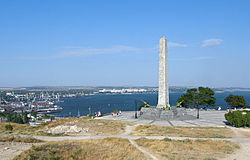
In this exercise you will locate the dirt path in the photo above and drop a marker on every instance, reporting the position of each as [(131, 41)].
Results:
[(147, 153), (128, 130), (49, 138), (242, 136), (8, 150)]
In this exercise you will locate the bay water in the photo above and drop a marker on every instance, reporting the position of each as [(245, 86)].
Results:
[(126, 102)]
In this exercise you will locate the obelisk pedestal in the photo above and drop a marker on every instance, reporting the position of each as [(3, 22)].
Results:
[(163, 94)]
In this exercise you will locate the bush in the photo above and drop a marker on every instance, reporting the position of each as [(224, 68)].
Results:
[(8, 127), (145, 104), (238, 118)]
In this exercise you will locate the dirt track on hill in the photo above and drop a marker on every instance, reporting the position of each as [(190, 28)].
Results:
[(243, 153), (8, 150)]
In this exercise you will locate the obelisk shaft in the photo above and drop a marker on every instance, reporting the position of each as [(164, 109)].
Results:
[(163, 95)]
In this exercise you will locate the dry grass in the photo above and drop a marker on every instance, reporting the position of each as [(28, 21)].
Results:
[(19, 139), (94, 126), (188, 149), (66, 120), (24, 129), (104, 127), (19, 128), (99, 149), (243, 132), (199, 132)]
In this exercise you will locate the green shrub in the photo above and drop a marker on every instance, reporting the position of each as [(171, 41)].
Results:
[(8, 127), (145, 104), (238, 118)]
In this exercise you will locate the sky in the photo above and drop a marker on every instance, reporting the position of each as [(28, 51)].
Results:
[(115, 43)]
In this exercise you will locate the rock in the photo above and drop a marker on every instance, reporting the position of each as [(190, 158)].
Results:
[(66, 129)]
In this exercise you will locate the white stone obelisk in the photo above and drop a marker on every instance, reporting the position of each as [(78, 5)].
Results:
[(163, 95)]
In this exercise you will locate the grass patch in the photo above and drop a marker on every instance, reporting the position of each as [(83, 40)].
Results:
[(19, 139), (198, 132), (107, 149), (188, 149)]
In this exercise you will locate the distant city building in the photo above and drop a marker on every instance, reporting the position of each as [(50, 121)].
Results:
[(122, 90)]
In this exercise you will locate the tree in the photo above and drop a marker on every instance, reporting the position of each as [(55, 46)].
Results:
[(196, 97), (25, 117), (235, 101)]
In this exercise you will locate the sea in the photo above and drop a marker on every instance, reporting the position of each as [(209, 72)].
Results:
[(84, 105)]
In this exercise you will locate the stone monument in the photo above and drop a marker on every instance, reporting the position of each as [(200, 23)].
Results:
[(163, 94), (163, 111)]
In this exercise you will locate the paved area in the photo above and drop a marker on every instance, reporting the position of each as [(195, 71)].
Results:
[(210, 118)]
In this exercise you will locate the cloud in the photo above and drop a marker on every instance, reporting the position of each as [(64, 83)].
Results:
[(211, 42), (80, 51), (173, 44), (72, 51)]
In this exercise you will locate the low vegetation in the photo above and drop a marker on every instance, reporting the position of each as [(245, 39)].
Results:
[(188, 149), (16, 128), (8, 127), (196, 132), (23, 129), (238, 118), (108, 149), (19, 139)]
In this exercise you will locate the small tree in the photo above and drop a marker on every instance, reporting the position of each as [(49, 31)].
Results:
[(235, 101), (196, 97)]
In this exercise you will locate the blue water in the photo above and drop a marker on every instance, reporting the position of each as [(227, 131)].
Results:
[(126, 102)]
